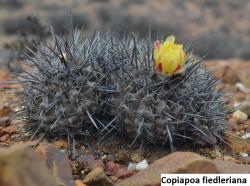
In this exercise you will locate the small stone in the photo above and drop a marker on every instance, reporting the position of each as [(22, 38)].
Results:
[(141, 165), (57, 161), (61, 144), (246, 136), (4, 110), (20, 167), (79, 183), (83, 173), (8, 130), (116, 170), (138, 166), (97, 177), (244, 155), (5, 121), (240, 116), (104, 157), (131, 166), (4, 138), (112, 167), (88, 163)]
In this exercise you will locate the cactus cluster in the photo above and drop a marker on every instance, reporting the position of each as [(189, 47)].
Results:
[(106, 84)]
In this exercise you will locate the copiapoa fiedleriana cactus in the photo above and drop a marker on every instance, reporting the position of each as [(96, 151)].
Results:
[(104, 84)]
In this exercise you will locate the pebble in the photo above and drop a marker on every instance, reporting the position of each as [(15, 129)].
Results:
[(132, 166), (5, 121), (246, 136), (97, 177), (57, 162), (244, 155), (138, 166), (4, 138), (4, 110), (115, 169), (240, 116), (83, 173), (88, 163)]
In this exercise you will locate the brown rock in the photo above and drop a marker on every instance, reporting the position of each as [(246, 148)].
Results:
[(97, 177), (181, 162), (79, 183), (227, 167), (57, 161), (5, 121), (88, 163), (4, 138), (116, 170), (4, 110), (12, 129), (20, 167)]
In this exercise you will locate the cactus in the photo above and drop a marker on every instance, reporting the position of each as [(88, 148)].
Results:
[(105, 84), (66, 89)]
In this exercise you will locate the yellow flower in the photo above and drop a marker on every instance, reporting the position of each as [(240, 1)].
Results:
[(169, 58)]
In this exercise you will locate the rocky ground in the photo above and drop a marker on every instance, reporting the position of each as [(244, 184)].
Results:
[(215, 30)]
